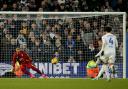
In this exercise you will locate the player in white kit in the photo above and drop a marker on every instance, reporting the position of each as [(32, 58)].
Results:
[(109, 45)]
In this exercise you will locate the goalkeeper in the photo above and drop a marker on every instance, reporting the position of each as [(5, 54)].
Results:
[(92, 69), (25, 62)]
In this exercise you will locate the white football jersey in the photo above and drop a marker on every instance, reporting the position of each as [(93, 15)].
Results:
[(110, 42)]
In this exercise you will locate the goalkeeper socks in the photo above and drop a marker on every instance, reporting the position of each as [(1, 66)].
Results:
[(35, 69)]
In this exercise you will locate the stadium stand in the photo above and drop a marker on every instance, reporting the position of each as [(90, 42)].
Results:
[(45, 37)]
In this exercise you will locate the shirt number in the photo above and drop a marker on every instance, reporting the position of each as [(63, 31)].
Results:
[(111, 41)]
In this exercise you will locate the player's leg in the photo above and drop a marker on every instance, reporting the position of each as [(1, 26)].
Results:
[(100, 73), (34, 68), (111, 66), (107, 72), (112, 70), (98, 61), (37, 70), (104, 68), (23, 69)]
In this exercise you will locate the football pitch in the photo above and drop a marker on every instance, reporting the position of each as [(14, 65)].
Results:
[(26, 83)]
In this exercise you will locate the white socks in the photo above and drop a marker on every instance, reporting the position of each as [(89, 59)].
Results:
[(104, 69)]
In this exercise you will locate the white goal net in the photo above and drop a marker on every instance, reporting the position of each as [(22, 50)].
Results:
[(74, 37)]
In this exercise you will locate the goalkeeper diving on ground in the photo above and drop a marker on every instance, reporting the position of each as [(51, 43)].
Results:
[(23, 61)]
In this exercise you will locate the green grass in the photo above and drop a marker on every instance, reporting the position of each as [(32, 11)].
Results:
[(17, 83)]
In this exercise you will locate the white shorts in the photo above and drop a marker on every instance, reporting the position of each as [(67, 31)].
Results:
[(107, 59), (110, 56)]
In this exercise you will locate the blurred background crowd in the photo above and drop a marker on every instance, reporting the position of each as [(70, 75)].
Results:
[(64, 5), (73, 39)]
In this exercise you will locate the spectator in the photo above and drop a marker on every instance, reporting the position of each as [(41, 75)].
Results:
[(25, 8), (87, 33), (14, 7), (45, 5), (58, 43), (91, 52), (37, 50), (24, 30), (71, 59), (70, 51), (79, 43), (64, 35), (45, 37), (79, 46), (40, 9), (5, 46), (83, 5), (31, 34), (48, 50), (32, 5), (7, 38), (3, 30), (12, 47), (52, 35), (62, 8), (70, 42), (31, 42), (21, 39), (23, 2), (121, 50), (5, 7), (35, 29), (24, 47), (56, 54), (55, 6)]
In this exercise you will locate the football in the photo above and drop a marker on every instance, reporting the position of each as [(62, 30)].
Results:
[(54, 60)]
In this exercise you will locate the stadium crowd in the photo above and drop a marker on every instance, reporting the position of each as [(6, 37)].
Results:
[(73, 39), (64, 5)]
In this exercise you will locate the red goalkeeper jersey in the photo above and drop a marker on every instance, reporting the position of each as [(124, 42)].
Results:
[(22, 57)]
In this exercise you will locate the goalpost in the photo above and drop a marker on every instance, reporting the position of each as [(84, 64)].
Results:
[(74, 36)]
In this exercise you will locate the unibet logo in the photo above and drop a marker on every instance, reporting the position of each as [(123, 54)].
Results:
[(59, 68)]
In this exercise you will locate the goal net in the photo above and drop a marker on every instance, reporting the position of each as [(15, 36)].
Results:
[(72, 37)]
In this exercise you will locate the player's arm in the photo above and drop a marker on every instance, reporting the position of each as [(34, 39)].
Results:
[(28, 57), (102, 48)]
